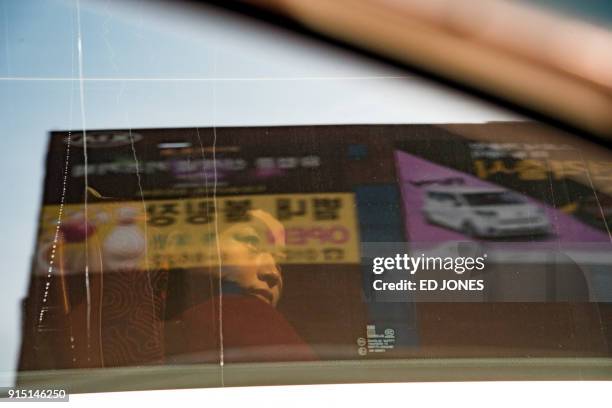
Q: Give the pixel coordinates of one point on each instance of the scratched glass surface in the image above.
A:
(186, 186)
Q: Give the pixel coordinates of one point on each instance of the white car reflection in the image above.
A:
(484, 212)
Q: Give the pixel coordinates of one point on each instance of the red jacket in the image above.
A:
(250, 330)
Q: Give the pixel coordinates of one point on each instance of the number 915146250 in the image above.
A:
(36, 394)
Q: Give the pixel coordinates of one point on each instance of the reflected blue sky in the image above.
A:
(595, 11)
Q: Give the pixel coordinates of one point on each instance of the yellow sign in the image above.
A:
(318, 228)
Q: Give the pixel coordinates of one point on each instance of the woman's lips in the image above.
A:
(262, 294)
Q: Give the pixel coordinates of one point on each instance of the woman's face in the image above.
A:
(251, 262)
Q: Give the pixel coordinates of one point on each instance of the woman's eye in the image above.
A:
(248, 239)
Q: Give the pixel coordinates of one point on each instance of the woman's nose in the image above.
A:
(268, 271)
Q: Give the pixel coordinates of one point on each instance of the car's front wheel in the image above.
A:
(468, 229)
